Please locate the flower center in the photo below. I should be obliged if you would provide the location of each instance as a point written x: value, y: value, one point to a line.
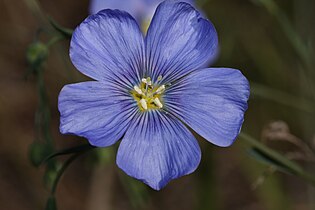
x: 147, y: 95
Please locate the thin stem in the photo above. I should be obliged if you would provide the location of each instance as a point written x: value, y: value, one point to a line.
x: 62, y: 170
x: 66, y: 32
x: 77, y: 149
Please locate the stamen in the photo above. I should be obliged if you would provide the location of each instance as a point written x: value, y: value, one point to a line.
x: 144, y: 104
x: 158, y: 102
x: 160, y: 89
x: 148, y: 94
x: 138, y: 90
x: 149, y: 82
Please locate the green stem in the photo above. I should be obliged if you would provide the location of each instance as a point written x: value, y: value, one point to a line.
x: 62, y: 170
x: 292, y: 166
x: 80, y: 148
x: 66, y: 32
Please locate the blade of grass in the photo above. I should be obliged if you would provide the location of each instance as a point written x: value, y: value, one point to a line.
x: 293, y: 167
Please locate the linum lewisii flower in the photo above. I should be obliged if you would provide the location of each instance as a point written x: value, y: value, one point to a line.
x: 149, y: 90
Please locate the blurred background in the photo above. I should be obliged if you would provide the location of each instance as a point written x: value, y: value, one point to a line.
x: 270, y: 41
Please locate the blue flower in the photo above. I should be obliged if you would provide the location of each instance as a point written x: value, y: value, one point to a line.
x: 149, y: 90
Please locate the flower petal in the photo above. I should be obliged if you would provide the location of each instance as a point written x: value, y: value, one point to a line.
x: 134, y: 7
x: 97, y: 111
x: 158, y: 148
x: 212, y: 102
x: 151, y: 5
x: 109, y: 46
x: 178, y: 41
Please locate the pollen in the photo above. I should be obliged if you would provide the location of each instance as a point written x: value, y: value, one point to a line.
x: 148, y: 95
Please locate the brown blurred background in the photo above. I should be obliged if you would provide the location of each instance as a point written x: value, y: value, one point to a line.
x: 252, y: 39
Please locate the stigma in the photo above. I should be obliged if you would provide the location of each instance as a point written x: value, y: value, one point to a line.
x: 147, y: 95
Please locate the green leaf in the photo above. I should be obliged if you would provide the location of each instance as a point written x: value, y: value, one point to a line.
x: 265, y: 159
